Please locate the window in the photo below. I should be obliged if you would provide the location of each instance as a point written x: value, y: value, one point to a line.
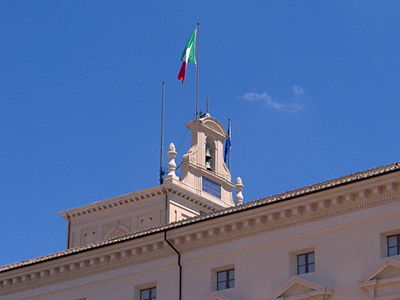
x: 225, y: 279
x: 305, y: 263
x: 393, y: 245
x: 148, y: 294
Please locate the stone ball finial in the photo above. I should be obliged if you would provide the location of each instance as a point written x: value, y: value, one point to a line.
x: 239, y: 188
x: 171, y: 162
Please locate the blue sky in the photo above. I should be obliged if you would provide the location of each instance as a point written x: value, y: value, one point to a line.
x: 312, y: 88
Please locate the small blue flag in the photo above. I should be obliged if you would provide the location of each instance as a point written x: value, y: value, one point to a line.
x: 228, y: 144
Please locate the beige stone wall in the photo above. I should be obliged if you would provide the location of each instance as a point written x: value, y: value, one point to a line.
x: 346, y: 249
x: 134, y: 212
x: 178, y: 212
x: 116, y: 221
x: 346, y: 227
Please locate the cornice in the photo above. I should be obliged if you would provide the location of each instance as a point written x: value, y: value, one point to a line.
x: 283, y: 217
x: 85, y: 266
x: 143, y: 247
x: 112, y: 202
x: 199, y: 169
x: 208, y: 124
x: 338, y: 198
x: 158, y: 190
x: 186, y: 192
x: 128, y: 199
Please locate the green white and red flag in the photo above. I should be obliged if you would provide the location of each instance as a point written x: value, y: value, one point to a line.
x: 188, y: 55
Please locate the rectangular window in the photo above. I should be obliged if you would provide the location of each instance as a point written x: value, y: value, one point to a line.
x: 305, y: 263
x: 393, y: 245
x: 148, y: 294
x: 225, y: 279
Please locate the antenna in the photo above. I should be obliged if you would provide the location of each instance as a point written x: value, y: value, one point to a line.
x: 203, y: 114
x: 230, y: 142
x: 162, y: 171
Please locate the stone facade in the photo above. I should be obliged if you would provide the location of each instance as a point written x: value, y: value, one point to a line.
x: 176, y: 199
x: 325, y: 241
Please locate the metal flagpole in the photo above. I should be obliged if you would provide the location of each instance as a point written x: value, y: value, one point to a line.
x: 162, y: 172
x: 197, y: 70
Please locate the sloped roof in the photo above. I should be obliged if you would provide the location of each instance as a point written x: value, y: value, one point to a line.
x: 352, y: 178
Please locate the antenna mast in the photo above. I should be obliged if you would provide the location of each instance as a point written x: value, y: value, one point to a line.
x: 162, y: 171
x: 230, y: 143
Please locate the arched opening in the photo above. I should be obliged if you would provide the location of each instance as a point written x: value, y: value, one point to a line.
x: 210, y: 155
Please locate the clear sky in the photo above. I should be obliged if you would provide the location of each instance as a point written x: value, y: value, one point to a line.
x: 312, y: 88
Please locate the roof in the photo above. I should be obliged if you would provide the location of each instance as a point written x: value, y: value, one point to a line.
x: 352, y: 178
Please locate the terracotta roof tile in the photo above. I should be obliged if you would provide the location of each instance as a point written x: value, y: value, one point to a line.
x: 227, y: 211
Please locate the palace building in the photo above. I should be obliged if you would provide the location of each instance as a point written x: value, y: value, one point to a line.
x: 193, y: 238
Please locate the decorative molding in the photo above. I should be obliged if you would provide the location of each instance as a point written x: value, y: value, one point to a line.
x: 217, y: 296
x: 385, y: 277
x: 205, y: 203
x: 298, y: 288
x: 132, y: 198
x: 276, y: 221
x: 116, y: 231
x: 84, y: 267
x: 276, y: 216
x: 112, y: 203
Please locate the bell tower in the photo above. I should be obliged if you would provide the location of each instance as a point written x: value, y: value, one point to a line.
x: 204, y: 186
x: 203, y: 166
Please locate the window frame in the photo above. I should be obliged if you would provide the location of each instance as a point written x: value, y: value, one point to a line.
x: 151, y: 290
x: 229, y: 281
x: 306, y: 263
x: 397, y: 246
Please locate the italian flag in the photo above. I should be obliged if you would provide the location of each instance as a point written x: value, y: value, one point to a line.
x: 188, y: 55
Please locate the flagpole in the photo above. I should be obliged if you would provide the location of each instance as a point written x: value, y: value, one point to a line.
x: 197, y: 70
x: 162, y: 172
